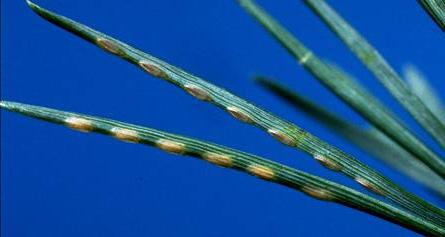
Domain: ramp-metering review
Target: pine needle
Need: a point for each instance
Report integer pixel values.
(267, 170)
(436, 10)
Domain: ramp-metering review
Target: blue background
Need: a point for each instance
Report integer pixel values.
(57, 182)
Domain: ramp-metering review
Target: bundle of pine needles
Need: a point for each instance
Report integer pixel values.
(403, 149)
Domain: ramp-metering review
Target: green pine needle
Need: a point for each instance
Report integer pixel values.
(420, 86)
(436, 10)
(313, 186)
